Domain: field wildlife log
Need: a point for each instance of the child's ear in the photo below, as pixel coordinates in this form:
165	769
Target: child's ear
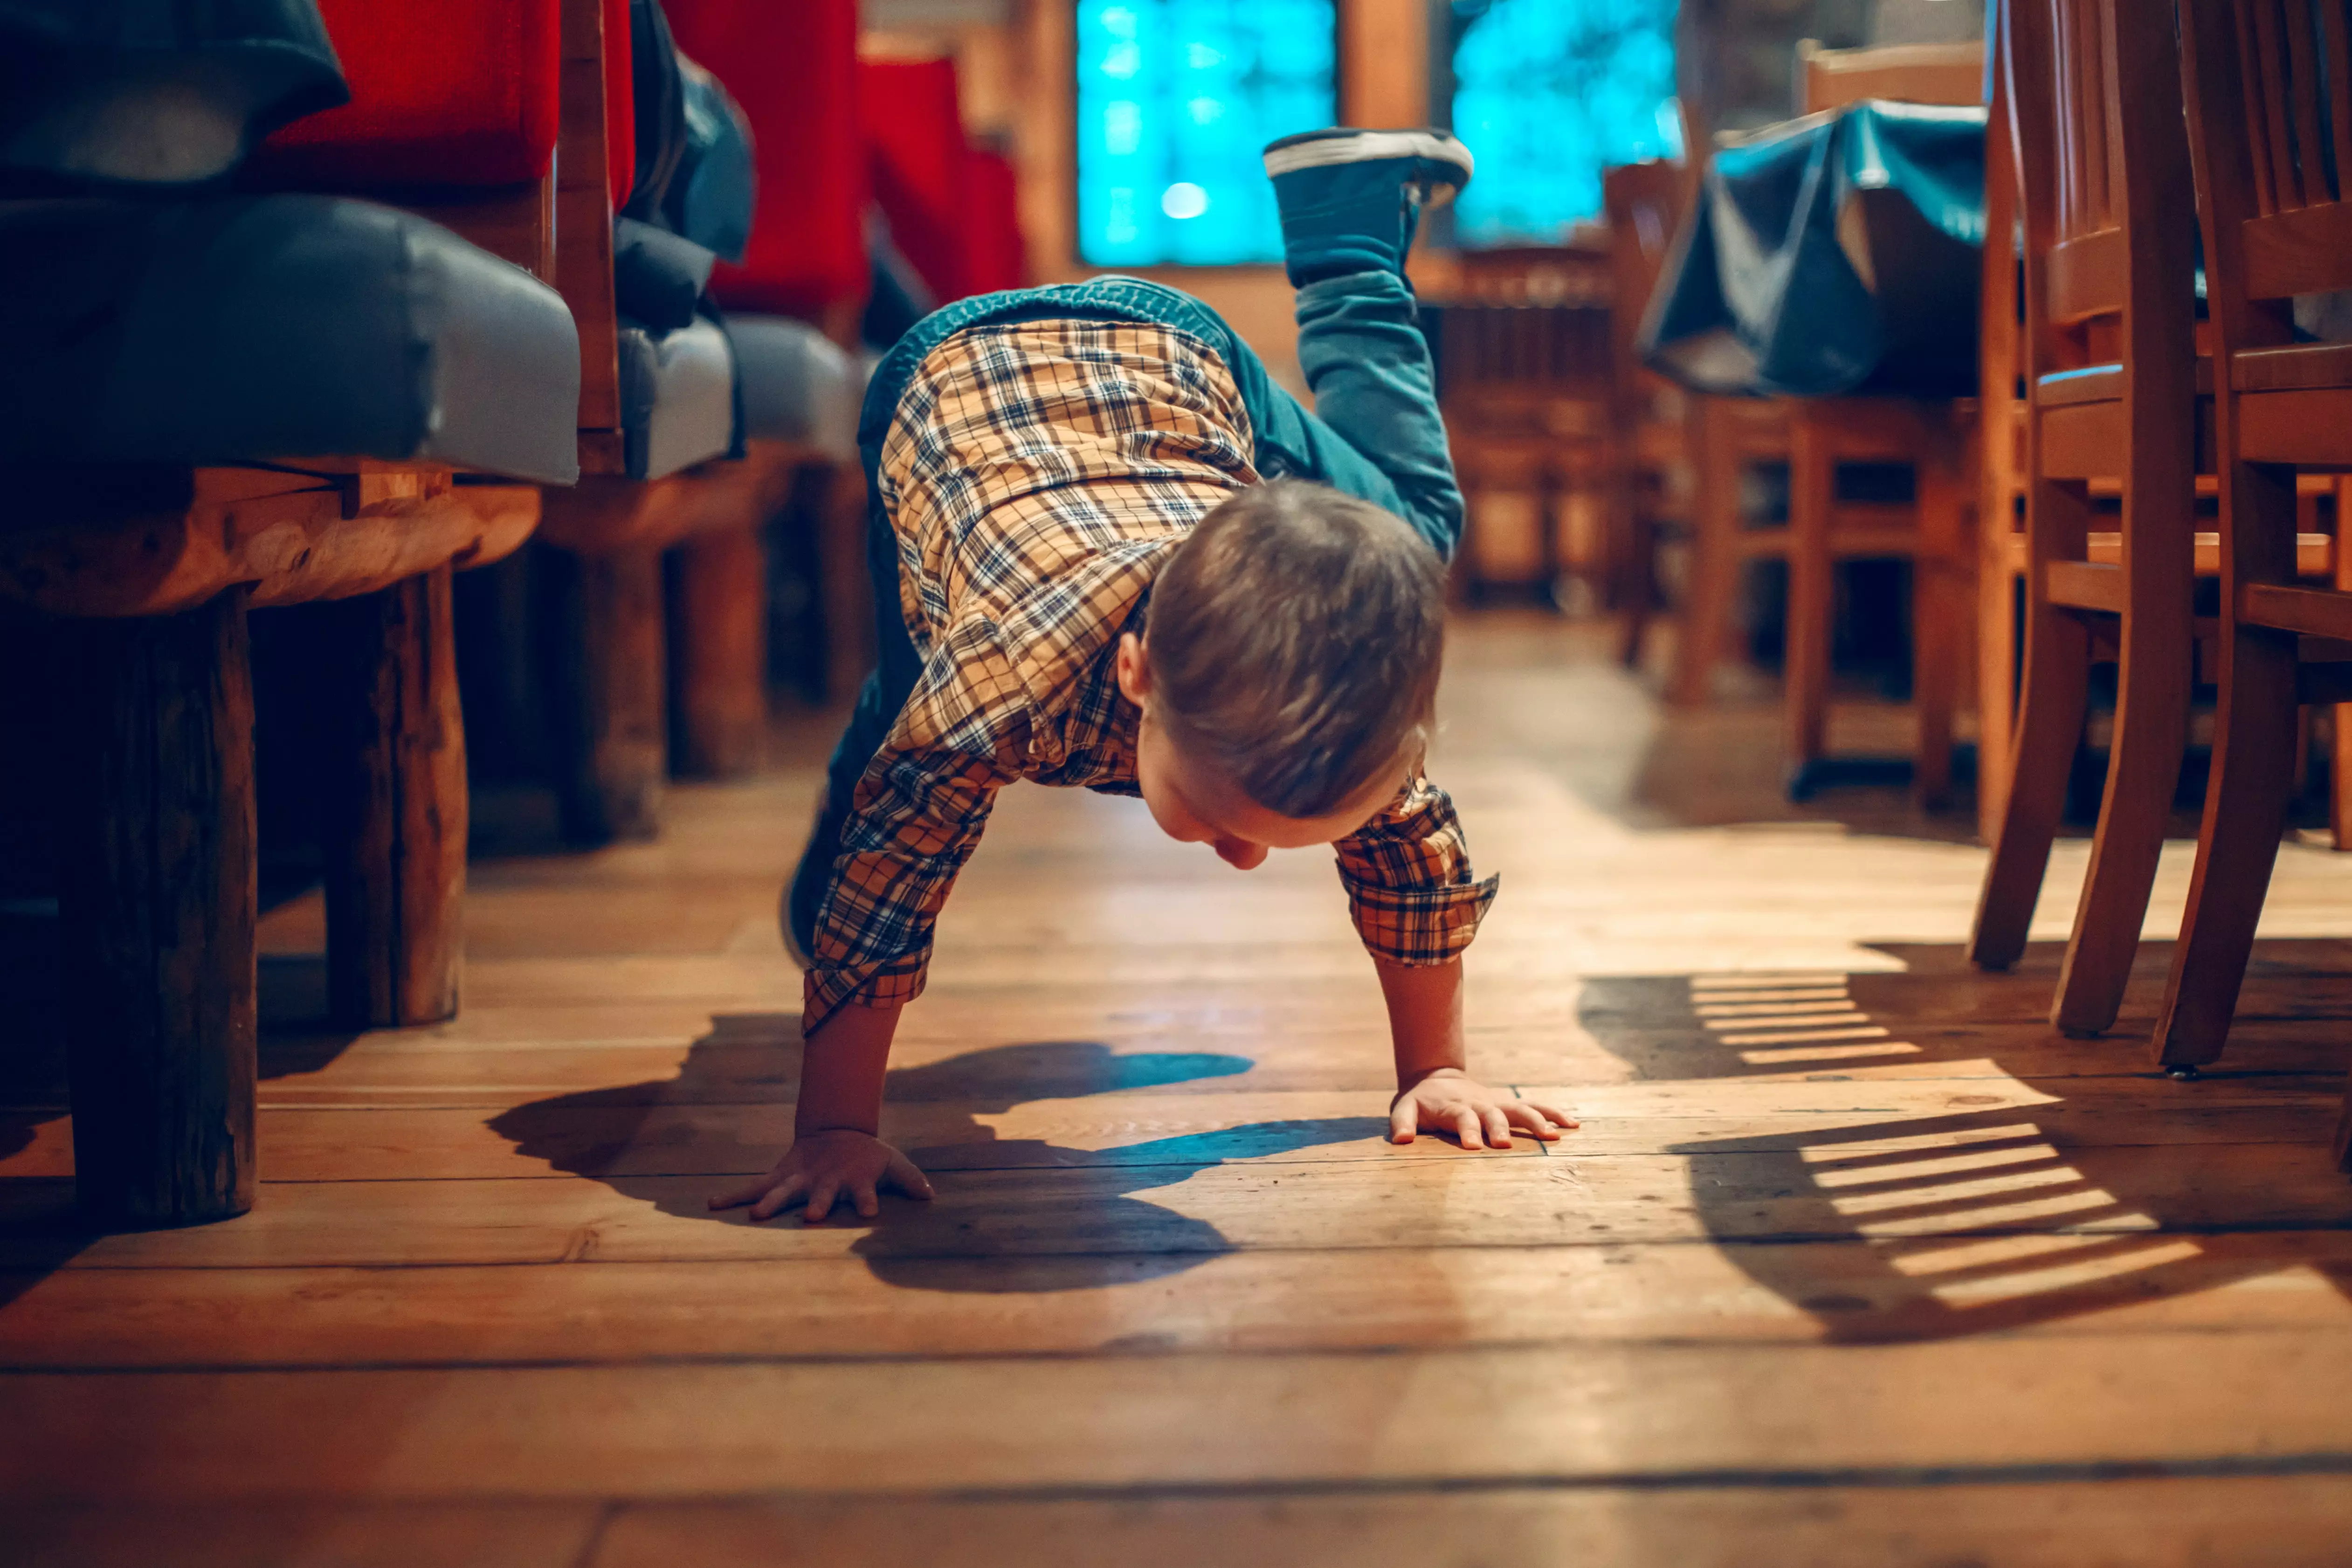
1132	668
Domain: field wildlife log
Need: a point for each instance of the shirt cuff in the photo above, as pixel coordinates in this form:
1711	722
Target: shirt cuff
824	992
1417	926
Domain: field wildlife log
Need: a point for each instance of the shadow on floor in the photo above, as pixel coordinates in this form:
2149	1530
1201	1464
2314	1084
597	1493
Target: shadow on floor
1068	1213
2057	1177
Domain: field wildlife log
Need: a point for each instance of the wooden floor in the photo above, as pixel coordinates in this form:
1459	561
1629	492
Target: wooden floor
1853	1261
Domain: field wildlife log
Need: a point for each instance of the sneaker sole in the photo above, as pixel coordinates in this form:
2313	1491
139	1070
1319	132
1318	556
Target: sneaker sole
1317	150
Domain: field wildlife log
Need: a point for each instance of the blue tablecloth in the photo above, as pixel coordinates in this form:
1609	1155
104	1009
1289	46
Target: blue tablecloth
1836	253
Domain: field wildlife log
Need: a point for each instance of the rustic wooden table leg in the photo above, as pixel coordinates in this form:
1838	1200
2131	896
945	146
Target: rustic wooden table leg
396	849
1812	571
721	648
160	908
615	724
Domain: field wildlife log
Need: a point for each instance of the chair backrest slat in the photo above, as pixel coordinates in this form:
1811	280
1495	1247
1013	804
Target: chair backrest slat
2273	132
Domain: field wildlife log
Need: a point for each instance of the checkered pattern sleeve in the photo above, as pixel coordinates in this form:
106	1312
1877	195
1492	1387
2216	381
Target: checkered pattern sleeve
1410	886
916	818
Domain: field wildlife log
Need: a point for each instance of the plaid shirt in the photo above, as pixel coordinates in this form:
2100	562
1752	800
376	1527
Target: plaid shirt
1036	476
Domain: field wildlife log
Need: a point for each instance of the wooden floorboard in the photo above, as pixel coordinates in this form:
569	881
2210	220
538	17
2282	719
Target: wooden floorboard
1854	1259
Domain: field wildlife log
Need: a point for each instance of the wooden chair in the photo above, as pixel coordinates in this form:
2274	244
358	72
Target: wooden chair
1644	203
2110	393
2270	117
2001	449
1932	439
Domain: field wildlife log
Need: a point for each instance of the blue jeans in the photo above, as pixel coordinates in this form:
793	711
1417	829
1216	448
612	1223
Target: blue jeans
1376	434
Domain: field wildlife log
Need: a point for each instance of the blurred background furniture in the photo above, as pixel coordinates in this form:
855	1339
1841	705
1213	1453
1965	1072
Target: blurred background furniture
1653	488
1871	286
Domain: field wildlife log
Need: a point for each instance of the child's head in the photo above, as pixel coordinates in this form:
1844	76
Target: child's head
1288	672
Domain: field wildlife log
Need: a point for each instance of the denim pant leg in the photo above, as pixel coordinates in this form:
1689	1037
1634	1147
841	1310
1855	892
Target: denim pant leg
896	670
1375	425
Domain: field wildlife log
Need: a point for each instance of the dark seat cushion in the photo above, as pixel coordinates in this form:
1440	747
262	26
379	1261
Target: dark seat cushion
143	93
678	397
248	328
797	387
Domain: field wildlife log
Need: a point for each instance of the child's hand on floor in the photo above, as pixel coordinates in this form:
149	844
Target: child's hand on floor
1451	1101
823	1166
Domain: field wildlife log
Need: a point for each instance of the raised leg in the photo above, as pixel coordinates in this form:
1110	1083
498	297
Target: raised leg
1714	554
721	643
397	835
159	908
615	724
1811	582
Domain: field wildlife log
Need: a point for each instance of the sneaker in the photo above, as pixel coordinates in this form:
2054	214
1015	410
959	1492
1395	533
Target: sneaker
1351	200
805	895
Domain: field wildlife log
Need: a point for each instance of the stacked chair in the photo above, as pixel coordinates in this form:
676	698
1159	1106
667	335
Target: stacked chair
215	401
2116	399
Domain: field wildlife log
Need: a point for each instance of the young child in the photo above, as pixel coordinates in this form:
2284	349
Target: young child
1124	559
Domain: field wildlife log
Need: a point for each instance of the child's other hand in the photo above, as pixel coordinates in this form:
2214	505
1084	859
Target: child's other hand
1451	1101
823	1166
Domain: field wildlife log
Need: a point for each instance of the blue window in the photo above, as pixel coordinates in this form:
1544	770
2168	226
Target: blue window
1175	100
1548	93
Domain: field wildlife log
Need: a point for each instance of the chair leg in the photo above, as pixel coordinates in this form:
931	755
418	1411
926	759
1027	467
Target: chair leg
160	908
2339	759
1939	633
2246	799
1996	685
721	645
1714	556
1637	536
1811	582
614	722
396	836
2151	730
2042	753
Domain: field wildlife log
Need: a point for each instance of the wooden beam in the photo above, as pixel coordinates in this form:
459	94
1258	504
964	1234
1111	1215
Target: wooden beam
160	908
719	643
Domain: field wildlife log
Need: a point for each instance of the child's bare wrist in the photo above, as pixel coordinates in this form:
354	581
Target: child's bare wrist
1412	1077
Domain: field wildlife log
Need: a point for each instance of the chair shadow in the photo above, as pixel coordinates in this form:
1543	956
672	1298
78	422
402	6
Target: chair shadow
1081	1229
2068	1192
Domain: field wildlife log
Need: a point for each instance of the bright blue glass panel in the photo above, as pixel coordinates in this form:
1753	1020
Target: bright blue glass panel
1547	94
1176	99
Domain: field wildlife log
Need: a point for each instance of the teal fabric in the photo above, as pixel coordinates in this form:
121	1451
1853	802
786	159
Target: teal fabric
1761	296
1379	435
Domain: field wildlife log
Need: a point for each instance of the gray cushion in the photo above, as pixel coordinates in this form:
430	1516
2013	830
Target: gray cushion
678	397
238	329
797	387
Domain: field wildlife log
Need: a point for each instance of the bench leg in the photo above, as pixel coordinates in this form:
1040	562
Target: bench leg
614	720
160	908
396	830
721	647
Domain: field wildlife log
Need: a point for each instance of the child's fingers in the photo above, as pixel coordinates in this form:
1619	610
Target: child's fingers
820	1200
740	1195
902	1174
1564	1119
1499	1126
861	1196
779	1194
1527	1117
1465	1127
1404	1120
